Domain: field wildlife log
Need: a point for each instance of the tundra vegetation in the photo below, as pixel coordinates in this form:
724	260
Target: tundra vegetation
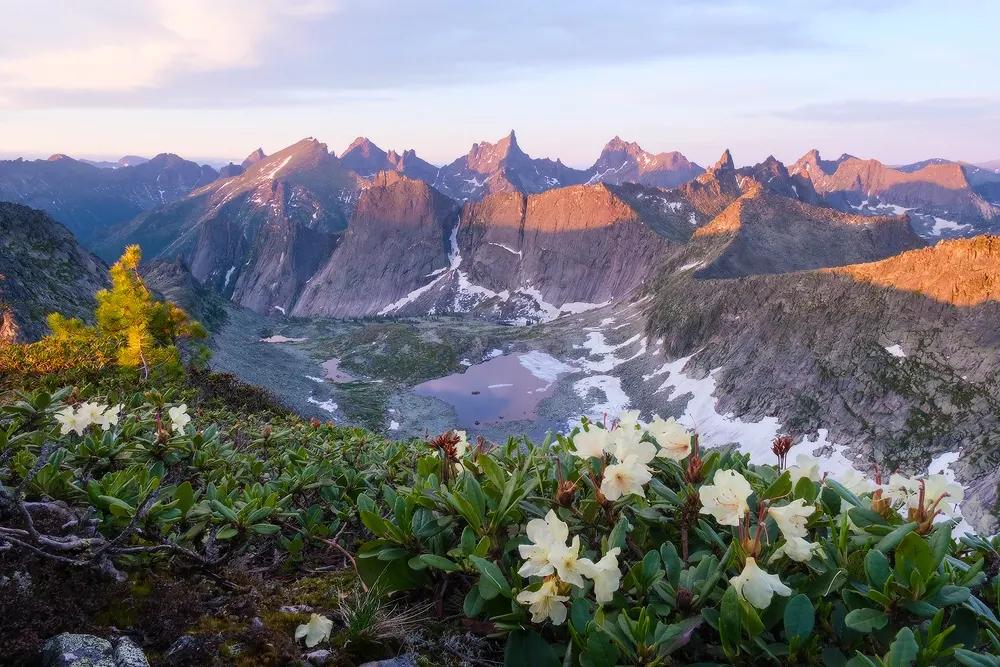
143	494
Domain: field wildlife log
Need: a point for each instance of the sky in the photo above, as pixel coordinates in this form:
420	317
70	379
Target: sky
896	80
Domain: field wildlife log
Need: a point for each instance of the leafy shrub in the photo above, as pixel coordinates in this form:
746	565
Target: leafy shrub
627	546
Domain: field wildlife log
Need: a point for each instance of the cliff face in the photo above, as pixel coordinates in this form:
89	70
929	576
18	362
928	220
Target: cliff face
764	233
258	236
44	271
961	272
941	189
626	162
396	240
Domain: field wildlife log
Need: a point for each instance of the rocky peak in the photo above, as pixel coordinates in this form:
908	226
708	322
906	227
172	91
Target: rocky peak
363	147
725	163
60	157
619	145
485	157
253	158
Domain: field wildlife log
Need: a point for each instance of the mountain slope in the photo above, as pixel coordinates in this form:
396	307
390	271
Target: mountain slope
396	238
44	270
256	237
367	159
89	200
941	191
502	167
765	233
867	356
626	162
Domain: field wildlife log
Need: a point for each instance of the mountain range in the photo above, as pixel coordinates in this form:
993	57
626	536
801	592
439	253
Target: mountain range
827	295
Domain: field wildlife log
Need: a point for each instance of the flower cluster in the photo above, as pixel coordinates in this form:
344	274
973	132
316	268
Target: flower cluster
79	419
550	556
631	452
179	417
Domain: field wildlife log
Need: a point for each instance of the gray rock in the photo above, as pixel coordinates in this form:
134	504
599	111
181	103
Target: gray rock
399	661
128	654
183	650
72	650
318	658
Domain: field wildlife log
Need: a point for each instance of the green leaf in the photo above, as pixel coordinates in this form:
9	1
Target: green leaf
265	528
843	491
806	488
226	533
903	651
730	627
779	487
473	604
800	617
971	659
439	562
526	648
889	542
618	534
949	595
866	620
913	555
877	568
492	582
117	506
184	494
600	651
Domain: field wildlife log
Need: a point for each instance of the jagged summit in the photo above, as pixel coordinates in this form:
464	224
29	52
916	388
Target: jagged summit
253	158
725	162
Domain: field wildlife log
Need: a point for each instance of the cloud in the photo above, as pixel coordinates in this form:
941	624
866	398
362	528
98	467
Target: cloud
267	52
893	112
139	46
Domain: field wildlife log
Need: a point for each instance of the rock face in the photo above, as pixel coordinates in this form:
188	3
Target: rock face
963	272
70	650
935	188
367	159
89	199
44	270
897	375
502	167
255	238
765	233
626	162
397	237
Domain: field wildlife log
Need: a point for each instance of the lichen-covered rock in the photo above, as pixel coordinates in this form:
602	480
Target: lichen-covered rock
75	650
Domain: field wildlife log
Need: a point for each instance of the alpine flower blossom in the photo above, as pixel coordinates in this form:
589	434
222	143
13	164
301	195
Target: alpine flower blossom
726	499
791	518
545	602
673	439
757	586
797	548
547	535
587	444
315	631
179	417
606	575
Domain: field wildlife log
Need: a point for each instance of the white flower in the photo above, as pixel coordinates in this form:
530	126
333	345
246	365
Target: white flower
179	417
606	575
545	603
805	466
757	586
566	559
629	420
899	488
791	518
109	417
315	631
462	446
587	444
630	443
70	421
90	413
936	486
796	548
855	482
548	534
726	499
673	439
625	478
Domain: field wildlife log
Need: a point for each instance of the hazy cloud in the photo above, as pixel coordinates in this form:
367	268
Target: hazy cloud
897	111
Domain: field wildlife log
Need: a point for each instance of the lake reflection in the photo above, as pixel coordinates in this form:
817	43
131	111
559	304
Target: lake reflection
507	388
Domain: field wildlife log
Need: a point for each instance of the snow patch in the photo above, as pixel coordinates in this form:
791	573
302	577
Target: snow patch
327	405
544	366
229	274
281	339
615	399
393	425
896	351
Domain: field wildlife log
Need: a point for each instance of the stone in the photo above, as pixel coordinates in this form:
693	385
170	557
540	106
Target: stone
76	650
318	657
399	661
